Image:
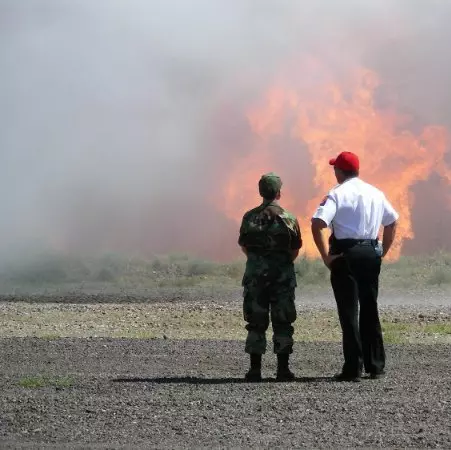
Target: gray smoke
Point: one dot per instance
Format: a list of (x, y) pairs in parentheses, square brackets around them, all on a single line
[(111, 133)]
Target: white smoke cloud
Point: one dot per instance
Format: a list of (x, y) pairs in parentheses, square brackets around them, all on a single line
[(106, 107)]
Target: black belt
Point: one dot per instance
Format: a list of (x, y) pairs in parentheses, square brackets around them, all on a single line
[(340, 245), (357, 241)]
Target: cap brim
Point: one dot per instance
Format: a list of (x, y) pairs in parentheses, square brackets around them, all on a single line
[(332, 161)]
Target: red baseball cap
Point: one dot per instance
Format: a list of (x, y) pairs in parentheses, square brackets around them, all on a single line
[(346, 161)]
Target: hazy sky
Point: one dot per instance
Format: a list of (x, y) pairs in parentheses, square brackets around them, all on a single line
[(110, 111)]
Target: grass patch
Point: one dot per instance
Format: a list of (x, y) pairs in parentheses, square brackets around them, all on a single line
[(422, 330), (438, 328), (50, 336), (44, 381), (396, 333)]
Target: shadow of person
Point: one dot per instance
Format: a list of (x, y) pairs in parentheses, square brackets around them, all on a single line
[(224, 380)]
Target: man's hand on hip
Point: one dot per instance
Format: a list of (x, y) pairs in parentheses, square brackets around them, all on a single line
[(329, 259)]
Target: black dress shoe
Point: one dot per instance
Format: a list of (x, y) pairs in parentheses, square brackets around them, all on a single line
[(347, 377), (285, 375), (377, 375)]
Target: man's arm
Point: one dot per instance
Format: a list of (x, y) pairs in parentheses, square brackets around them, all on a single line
[(320, 222), (319, 228), (389, 222), (319, 236), (294, 254), (241, 239), (388, 237)]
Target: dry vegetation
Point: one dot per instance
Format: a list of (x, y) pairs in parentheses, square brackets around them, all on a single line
[(179, 270)]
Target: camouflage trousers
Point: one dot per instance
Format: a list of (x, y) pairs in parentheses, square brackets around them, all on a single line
[(261, 302)]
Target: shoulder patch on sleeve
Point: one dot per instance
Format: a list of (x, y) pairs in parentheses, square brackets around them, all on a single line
[(324, 200)]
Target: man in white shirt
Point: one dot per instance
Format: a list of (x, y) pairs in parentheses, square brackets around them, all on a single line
[(355, 211)]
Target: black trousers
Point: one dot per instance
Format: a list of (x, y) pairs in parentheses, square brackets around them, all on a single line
[(355, 282)]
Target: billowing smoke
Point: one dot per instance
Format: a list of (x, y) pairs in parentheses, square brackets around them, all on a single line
[(119, 119)]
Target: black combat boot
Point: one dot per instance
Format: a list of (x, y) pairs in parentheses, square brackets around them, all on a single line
[(283, 371), (255, 372)]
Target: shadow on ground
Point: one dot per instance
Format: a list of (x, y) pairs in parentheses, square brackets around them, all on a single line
[(225, 380)]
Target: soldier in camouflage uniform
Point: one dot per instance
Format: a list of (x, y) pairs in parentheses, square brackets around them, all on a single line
[(271, 239)]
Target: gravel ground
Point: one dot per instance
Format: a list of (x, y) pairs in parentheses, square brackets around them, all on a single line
[(190, 394), (219, 294), (101, 392)]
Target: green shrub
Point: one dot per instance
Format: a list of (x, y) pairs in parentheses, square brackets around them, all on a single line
[(311, 272), (197, 268), (440, 276)]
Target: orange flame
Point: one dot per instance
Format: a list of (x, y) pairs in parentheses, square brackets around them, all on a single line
[(325, 118)]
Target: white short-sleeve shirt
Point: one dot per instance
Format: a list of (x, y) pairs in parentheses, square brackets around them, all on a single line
[(356, 210)]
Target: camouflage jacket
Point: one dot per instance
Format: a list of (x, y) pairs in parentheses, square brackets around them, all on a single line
[(270, 234)]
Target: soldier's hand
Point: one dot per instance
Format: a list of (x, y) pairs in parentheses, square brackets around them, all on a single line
[(329, 259)]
